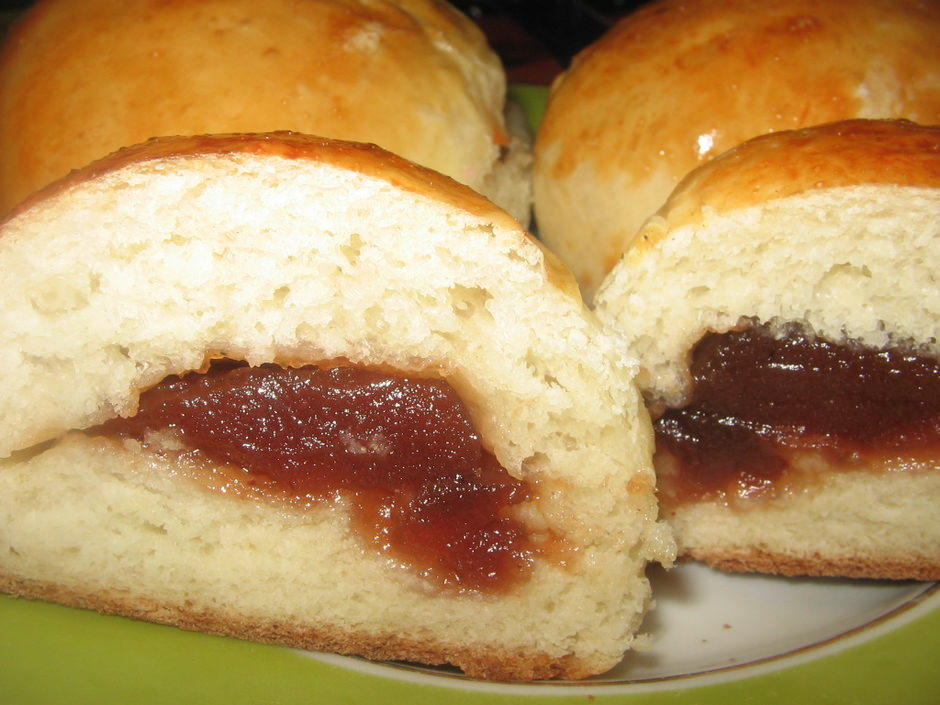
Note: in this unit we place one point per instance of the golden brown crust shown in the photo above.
(679, 82)
(477, 662)
(367, 159)
(755, 560)
(81, 78)
(710, 53)
(848, 153)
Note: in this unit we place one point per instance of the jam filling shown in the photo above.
(768, 414)
(400, 450)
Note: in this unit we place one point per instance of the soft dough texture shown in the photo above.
(679, 82)
(835, 228)
(285, 247)
(82, 78)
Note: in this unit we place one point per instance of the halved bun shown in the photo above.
(80, 79)
(296, 250)
(832, 229)
(677, 83)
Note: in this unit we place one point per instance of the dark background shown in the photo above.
(535, 38)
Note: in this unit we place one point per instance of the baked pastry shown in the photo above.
(679, 82)
(306, 392)
(785, 309)
(82, 78)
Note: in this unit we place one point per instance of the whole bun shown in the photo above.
(288, 251)
(832, 230)
(679, 82)
(82, 78)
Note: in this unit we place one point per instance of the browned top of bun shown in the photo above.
(367, 159)
(848, 153)
(681, 81)
(82, 78)
(693, 79)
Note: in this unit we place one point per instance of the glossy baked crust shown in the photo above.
(827, 53)
(679, 82)
(775, 166)
(82, 78)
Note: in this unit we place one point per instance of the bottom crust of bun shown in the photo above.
(757, 560)
(475, 661)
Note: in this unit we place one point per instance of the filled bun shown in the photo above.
(785, 308)
(82, 78)
(678, 82)
(244, 269)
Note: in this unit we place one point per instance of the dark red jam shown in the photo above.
(760, 404)
(401, 450)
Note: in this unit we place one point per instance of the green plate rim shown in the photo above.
(51, 654)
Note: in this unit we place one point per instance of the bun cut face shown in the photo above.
(678, 83)
(305, 392)
(785, 309)
(82, 78)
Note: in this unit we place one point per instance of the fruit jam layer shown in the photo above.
(768, 414)
(401, 450)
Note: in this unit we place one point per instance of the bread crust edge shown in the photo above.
(475, 661)
(760, 560)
